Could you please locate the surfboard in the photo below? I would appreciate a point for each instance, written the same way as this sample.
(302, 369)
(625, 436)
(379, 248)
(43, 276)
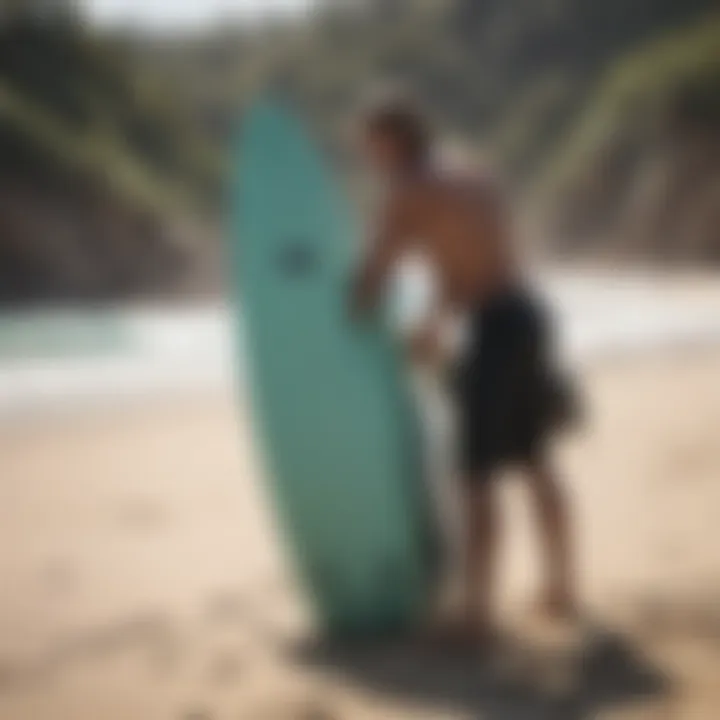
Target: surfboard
(330, 403)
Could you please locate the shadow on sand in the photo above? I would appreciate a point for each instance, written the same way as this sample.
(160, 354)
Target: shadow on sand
(601, 670)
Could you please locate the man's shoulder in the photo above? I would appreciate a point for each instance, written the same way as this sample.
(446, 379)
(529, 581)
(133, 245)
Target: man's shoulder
(478, 184)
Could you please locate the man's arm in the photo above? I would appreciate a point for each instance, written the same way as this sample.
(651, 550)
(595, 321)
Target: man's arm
(384, 253)
(431, 343)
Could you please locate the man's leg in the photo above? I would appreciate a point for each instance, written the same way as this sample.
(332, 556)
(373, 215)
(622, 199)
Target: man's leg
(554, 524)
(481, 555)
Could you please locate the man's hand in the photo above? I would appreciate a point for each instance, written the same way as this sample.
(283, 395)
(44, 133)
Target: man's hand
(425, 346)
(359, 302)
(384, 253)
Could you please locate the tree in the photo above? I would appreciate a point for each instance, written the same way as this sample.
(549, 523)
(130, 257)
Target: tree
(46, 10)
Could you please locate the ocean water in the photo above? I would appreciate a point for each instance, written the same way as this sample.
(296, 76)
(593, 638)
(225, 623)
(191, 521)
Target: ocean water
(62, 358)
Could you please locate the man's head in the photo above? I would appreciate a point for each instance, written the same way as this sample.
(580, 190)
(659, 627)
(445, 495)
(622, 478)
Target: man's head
(396, 138)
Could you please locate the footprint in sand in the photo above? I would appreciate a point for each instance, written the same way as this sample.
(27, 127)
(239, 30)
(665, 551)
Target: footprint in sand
(319, 714)
(228, 608)
(693, 461)
(292, 711)
(226, 668)
(141, 514)
(60, 576)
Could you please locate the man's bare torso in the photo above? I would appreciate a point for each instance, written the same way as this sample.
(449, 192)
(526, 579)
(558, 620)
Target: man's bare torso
(460, 224)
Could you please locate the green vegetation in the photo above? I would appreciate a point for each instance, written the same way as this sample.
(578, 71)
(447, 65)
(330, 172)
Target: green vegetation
(101, 182)
(90, 112)
(659, 105)
(569, 96)
(644, 91)
(512, 75)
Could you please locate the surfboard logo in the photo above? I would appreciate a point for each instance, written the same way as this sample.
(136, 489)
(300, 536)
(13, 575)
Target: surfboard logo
(298, 259)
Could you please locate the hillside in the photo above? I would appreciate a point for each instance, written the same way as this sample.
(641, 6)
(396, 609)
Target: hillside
(511, 73)
(640, 173)
(541, 88)
(100, 182)
(115, 147)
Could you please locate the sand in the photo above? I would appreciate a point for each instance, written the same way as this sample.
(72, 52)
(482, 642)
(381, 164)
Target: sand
(142, 578)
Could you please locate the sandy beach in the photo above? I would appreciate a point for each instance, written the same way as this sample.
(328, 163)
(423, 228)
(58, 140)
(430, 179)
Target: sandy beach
(142, 578)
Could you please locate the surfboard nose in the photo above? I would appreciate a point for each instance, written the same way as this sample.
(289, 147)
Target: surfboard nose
(270, 116)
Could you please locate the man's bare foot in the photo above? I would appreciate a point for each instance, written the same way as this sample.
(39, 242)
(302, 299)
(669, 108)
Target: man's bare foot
(558, 605)
(464, 635)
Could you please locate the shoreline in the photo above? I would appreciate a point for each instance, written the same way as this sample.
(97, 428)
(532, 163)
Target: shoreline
(166, 351)
(99, 383)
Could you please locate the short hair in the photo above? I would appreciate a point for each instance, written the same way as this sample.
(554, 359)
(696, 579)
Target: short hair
(406, 124)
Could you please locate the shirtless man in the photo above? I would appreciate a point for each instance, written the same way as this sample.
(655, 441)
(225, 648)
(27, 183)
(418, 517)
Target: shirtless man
(504, 384)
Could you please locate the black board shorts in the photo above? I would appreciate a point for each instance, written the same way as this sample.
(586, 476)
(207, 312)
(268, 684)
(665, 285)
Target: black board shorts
(510, 395)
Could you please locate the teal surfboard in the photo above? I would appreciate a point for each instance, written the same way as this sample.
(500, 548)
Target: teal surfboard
(329, 397)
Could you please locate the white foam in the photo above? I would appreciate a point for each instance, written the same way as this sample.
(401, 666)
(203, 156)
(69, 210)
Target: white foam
(188, 350)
